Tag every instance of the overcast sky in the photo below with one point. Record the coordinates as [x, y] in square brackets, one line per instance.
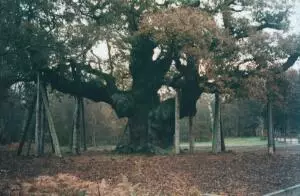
[295, 18]
[295, 25]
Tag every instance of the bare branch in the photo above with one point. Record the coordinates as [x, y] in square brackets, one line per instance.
[290, 61]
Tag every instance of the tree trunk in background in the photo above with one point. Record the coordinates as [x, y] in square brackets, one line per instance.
[83, 123]
[238, 120]
[216, 147]
[26, 126]
[285, 126]
[125, 138]
[211, 114]
[191, 135]
[270, 129]
[94, 138]
[260, 128]
[30, 138]
[177, 124]
[51, 123]
[223, 147]
[71, 140]
[37, 118]
[76, 135]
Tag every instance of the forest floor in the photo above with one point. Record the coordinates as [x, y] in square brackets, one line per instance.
[237, 173]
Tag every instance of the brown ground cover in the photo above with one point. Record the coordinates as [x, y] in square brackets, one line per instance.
[95, 173]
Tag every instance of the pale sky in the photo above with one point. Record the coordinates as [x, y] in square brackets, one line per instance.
[295, 18]
[295, 26]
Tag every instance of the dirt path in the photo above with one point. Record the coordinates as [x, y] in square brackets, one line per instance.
[237, 173]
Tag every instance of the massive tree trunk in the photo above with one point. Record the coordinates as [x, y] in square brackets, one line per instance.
[149, 130]
[142, 102]
[270, 129]
[216, 147]
[138, 129]
[135, 137]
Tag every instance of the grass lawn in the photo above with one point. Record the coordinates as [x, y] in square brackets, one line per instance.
[232, 143]
[237, 141]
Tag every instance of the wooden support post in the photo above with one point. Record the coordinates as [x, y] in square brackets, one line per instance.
[37, 118]
[51, 123]
[76, 135]
[27, 122]
[42, 136]
[177, 123]
[271, 146]
[83, 123]
[216, 146]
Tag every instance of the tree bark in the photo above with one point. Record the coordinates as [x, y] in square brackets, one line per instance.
[216, 147]
[149, 130]
[76, 135]
[109, 56]
[51, 123]
[177, 123]
[138, 128]
[26, 126]
[37, 118]
[135, 137]
[83, 123]
[191, 135]
[270, 129]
